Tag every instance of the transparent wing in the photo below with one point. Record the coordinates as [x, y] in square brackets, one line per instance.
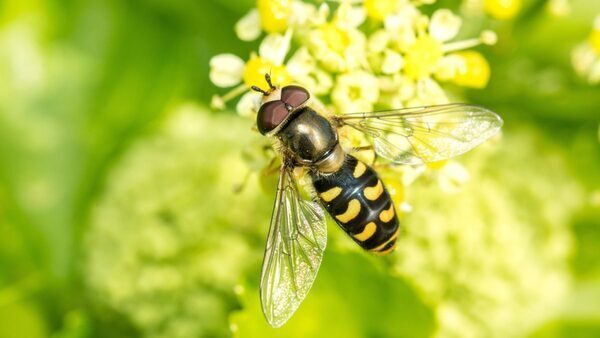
[295, 244]
[426, 134]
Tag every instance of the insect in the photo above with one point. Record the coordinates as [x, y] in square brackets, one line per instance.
[348, 189]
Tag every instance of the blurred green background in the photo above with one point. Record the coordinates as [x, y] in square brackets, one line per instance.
[117, 216]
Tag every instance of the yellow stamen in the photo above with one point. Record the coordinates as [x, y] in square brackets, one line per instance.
[476, 72]
[503, 9]
[379, 9]
[436, 165]
[257, 67]
[274, 14]
[595, 40]
[336, 38]
[422, 57]
[393, 184]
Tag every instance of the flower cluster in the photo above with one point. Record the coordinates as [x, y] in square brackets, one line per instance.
[169, 239]
[492, 260]
[586, 56]
[497, 9]
[353, 55]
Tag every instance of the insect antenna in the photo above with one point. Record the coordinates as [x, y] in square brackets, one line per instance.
[257, 89]
[268, 79]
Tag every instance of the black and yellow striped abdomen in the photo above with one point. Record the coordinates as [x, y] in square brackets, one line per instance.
[358, 201]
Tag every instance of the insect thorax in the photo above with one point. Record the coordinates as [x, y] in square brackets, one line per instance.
[312, 140]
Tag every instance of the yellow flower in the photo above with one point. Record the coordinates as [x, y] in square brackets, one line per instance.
[422, 58]
[380, 9]
[474, 72]
[503, 9]
[227, 70]
[355, 92]
[257, 67]
[274, 14]
[594, 40]
[338, 44]
[403, 52]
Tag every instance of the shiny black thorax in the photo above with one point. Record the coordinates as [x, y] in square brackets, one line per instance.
[309, 136]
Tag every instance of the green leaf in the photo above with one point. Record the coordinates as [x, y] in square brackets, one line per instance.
[352, 297]
[21, 319]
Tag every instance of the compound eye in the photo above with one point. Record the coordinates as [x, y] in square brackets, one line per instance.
[295, 96]
[270, 115]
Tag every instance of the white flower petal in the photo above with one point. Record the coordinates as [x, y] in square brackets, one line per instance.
[301, 63]
[452, 177]
[401, 30]
[392, 62]
[322, 15]
[594, 76]
[407, 88]
[303, 13]
[449, 66]
[582, 58]
[323, 82]
[275, 47]
[226, 70]
[348, 16]
[248, 104]
[429, 92]
[378, 41]
[444, 25]
[356, 91]
[248, 27]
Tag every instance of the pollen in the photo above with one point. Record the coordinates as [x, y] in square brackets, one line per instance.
[422, 57]
[256, 68]
[274, 14]
[503, 9]
[379, 9]
[476, 70]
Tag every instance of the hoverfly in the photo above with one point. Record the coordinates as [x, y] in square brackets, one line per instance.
[348, 189]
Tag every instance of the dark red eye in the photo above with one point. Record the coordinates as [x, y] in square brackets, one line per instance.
[295, 96]
[270, 115]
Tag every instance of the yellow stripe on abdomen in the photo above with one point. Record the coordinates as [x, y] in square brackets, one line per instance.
[387, 215]
[392, 238]
[373, 193]
[350, 213]
[367, 232]
[330, 194]
[359, 169]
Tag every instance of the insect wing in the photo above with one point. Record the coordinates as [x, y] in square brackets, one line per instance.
[426, 134]
[295, 244]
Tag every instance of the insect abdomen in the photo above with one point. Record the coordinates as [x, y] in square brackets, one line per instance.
[358, 201]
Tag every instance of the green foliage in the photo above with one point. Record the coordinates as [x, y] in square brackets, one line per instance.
[117, 216]
[389, 307]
